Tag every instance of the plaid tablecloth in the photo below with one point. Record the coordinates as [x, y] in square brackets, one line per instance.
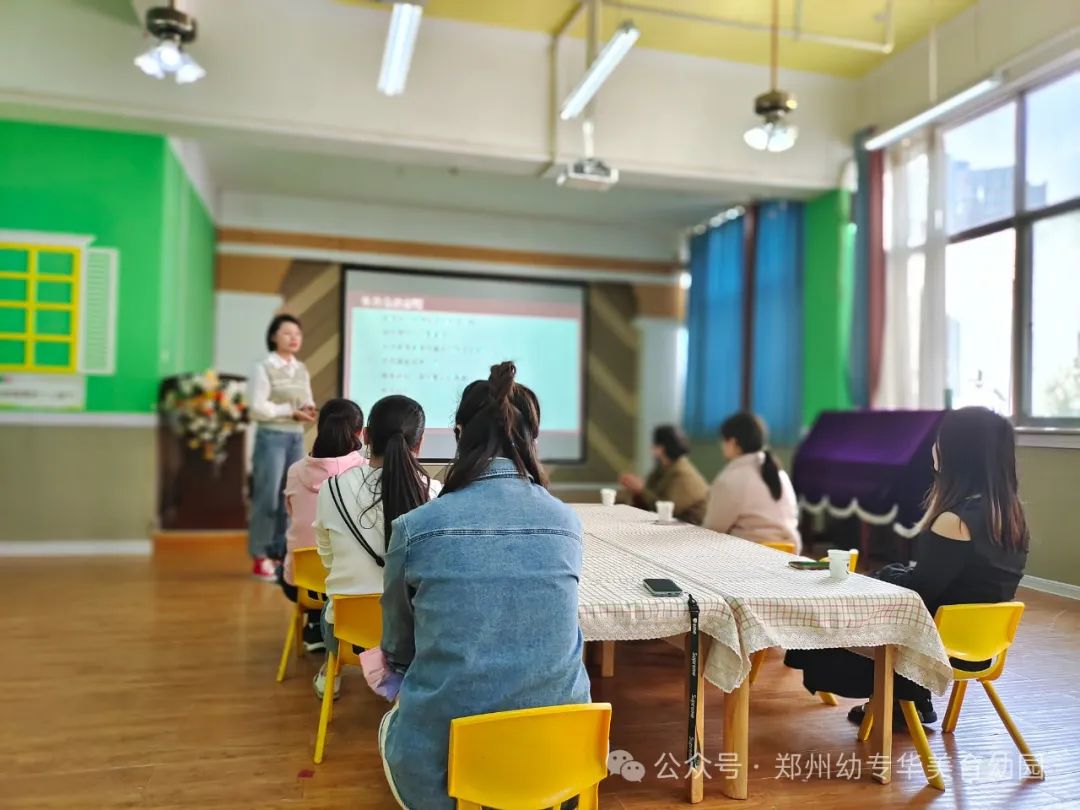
[772, 605]
[613, 605]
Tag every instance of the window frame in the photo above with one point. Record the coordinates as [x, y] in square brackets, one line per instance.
[30, 337]
[1023, 221]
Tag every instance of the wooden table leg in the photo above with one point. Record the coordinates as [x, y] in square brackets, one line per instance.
[696, 782]
[864, 540]
[607, 659]
[735, 748]
[882, 707]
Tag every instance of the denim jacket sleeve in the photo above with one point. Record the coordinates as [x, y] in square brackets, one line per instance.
[398, 641]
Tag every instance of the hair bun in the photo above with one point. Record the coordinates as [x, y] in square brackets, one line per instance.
[502, 381]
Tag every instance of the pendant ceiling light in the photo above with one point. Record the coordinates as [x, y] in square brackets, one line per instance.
[173, 29]
[774, 133]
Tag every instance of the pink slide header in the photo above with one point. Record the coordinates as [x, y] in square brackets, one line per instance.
[469, 306]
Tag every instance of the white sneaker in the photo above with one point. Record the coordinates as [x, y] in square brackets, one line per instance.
[319, 682]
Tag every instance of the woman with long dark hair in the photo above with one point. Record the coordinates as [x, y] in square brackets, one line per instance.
[356, 509]
[279, 392]
[336, 450]
[673, 478]
[752, 497]
[973, 548]
[481, 592]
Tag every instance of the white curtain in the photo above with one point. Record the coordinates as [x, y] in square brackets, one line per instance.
[906, 200]
[932, 343]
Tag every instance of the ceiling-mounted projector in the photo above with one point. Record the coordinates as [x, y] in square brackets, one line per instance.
[590, 174]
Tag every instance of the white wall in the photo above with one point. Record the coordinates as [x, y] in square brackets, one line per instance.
[662, 376]
[305, 73]
[190, 155]
[441, 226]
[240, 320]
[672, 115]
[970, 46]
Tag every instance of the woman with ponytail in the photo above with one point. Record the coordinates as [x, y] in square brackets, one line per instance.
[481, 592]
[355, 510]
[752, 497]
[336, 449]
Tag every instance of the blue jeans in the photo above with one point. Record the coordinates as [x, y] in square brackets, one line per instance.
[275, 452]
[328, 631]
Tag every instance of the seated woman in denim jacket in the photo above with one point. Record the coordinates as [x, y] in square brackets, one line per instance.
[480, 592]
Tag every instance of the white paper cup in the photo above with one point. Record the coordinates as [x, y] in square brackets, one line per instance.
[839, 560]
[665, 510]
[607, 496]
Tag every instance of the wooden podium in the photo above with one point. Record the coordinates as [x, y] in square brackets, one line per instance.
[194, 493]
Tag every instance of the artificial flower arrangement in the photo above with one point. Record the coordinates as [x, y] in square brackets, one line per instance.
[205, 411]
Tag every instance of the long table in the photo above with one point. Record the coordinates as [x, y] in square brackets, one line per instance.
[752, 600]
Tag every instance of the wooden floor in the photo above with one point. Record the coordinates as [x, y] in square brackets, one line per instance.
[150, 683]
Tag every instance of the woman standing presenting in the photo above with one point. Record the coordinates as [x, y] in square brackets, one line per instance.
[281, 403]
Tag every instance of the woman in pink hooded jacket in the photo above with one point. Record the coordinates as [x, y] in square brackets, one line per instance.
[336, 449]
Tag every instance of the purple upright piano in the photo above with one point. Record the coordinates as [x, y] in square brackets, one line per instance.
[882, 459]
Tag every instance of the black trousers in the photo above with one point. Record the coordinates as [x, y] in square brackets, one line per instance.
[290, 594]
[847, 674]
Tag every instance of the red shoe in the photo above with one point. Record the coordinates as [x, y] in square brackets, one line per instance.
[264, 569]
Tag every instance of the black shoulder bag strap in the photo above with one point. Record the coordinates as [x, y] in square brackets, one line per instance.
[693, 755]
[339, 502]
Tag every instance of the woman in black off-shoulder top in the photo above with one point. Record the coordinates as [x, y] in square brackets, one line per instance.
[974, 549]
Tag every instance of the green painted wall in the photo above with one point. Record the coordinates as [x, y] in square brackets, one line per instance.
[827, 268]
[130, 193]
[186, 312]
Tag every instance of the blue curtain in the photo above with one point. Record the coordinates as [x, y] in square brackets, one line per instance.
[715, 328]
[859, 353]
[776, 382]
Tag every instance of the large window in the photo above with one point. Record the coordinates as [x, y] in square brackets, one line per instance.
[1000, 296]
[1053, 146]
[978, 316]
[980, 170]
[1055, 318]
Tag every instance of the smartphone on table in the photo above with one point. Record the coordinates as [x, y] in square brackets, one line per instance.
[809, 565]
[662, 587]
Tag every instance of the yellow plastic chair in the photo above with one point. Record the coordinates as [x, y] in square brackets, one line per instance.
[357, 621]
[310, 578]
[529, 759]
[781, 546]
[980, 633]
[972, 633]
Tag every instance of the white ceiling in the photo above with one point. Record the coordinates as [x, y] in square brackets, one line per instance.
[308, 123]
[242, 167]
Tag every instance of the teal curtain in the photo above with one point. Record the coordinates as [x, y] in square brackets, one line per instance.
[715, 328]
[776, 382]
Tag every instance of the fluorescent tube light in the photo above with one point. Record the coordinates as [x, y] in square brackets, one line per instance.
[891, 136]
[617, 48]
[400, 40]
